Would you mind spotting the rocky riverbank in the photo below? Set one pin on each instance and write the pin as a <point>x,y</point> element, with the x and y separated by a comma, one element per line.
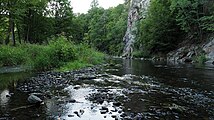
<point>190,53</point>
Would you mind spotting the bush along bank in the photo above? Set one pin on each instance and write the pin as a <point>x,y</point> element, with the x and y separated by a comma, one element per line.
<point>59,54</point>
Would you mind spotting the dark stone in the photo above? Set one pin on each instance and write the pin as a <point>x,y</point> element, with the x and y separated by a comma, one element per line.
<point>103,90</point>
<point>33,99</point>
<point>117,104</point>
<point>70,115</point>
<point>113,116</point>
<point>123,115</point>
<point>103,111</point>
<point>120,111</point>
<point>77,113</point>
<point>213,62</point>
<point>82,111</point>
<point>100,100</point>
<point>87,77</point>
<point>187,60</point>
<point>72,101</point>
<point>8,95</point>
<point>104,108</point>
<point>77,87</point>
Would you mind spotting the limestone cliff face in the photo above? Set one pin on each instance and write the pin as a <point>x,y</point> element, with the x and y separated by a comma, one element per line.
<point>137,11</point>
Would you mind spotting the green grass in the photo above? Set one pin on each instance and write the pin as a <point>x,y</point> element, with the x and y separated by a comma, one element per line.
<point>59,54</point>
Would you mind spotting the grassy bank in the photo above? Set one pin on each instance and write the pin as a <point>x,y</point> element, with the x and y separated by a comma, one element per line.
<point>58,54</point>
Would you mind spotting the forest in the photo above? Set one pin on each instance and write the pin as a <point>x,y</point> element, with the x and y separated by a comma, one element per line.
<point>32,30</point>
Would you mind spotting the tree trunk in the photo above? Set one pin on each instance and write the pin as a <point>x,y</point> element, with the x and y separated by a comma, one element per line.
<point>7,40</point>
<point>13,32</point>
<point>19,34</point>
<point>27,32</point>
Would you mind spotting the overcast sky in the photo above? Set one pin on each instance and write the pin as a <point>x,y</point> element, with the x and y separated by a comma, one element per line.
<point>82,6</point>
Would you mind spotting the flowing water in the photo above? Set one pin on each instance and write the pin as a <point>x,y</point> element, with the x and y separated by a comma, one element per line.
<point>143,89</point>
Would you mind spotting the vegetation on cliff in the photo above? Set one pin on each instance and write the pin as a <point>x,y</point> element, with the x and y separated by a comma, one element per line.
<point>171,22</point>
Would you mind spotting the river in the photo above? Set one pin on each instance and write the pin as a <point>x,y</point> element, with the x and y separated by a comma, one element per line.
<point>121,89</point>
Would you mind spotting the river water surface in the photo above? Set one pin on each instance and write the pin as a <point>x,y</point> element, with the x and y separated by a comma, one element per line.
<point>142,89</point>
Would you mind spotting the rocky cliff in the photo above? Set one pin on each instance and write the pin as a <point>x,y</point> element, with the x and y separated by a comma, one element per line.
<point>188,53</point>
<point>137,11</point>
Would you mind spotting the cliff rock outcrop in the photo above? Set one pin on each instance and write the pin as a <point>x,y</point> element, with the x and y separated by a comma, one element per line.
<point>137,11</point>
<point>188,52</point>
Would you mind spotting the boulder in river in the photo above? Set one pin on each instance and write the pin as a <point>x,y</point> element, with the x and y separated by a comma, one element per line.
<point>33,99</point>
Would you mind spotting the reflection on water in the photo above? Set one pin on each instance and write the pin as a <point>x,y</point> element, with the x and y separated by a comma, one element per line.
<point>86,109</point>
<point>11,79</point>
<point>179,75</point>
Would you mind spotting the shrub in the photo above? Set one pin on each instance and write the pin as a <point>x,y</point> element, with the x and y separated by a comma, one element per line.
<point>40,57</point>
<point>201,59</point>
<point>62,50</point>
<point>11,56</point>
<point>58,53</point>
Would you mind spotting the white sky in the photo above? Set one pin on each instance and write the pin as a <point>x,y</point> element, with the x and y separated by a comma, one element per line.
<point>82,6</point>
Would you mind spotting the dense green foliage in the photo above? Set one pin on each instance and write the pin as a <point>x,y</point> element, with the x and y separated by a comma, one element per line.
<point>158,32</point>
<point>106,28</point>
<point>57,54</point>
<point>170,22</point>
<point>37,21</point>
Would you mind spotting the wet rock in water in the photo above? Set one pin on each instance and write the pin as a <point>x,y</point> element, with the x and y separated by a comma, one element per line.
<point>86,77</point>
<point>177,107</point>
<point>104,108</point>
<point>103,111</point>
<point>123,115</point>
<point>100,100</point>
<point>70,115</point>
<point>113,116</point>
<point>77,87</point>
<point>75,112</point>
<point>82,111</point>
<point>111,70</point>
<point>117,104</point>
<point>103,90</point>
<point>72,101</point>
<point>8,95</point>
<point>33,99</point>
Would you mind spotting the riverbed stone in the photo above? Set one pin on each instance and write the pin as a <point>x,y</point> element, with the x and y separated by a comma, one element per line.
<point>103,111</point>
<point>33,99</point>
<point>70,115</point>
<point>104,108</point>
<point>72,101</point>
<point>117,104</point>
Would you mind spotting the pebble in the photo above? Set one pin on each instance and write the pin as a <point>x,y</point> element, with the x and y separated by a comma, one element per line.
<point>72,101</point>
<point>117,104</point>
<point>103,111</point>
<point>70,115</point>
